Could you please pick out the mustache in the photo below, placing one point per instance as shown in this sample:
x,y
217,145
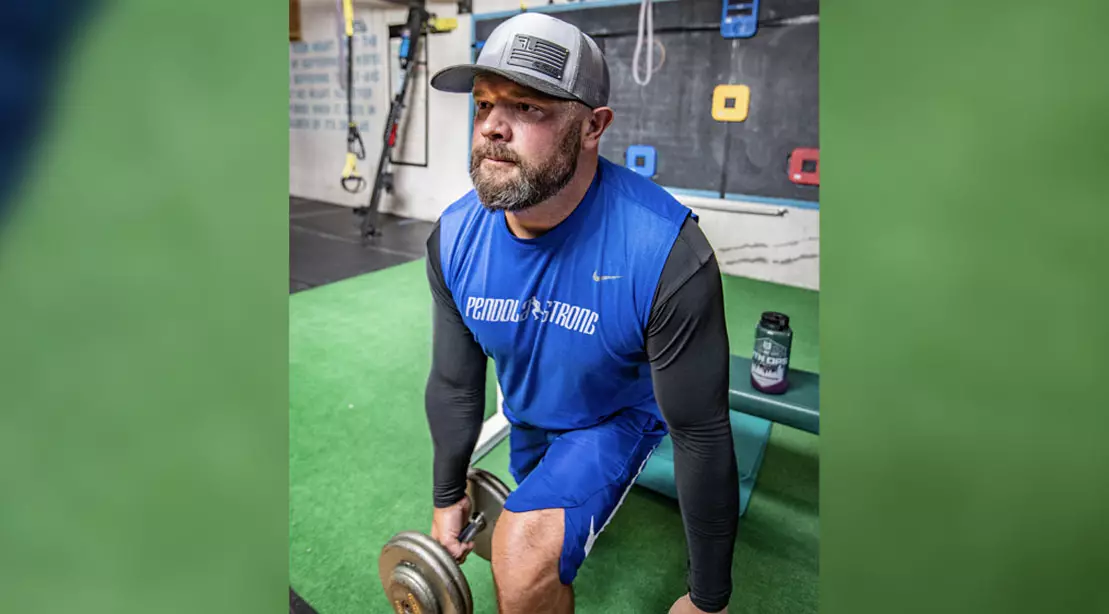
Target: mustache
x,y
497,152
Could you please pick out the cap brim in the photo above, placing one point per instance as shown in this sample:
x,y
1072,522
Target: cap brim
x,y
460,79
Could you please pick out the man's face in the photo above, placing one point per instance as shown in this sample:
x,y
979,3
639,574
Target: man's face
x,y
525,147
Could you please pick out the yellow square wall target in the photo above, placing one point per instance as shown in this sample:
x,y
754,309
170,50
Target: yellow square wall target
x,y
730,102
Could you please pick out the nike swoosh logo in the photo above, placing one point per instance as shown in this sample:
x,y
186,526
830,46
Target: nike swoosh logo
x,y
597,277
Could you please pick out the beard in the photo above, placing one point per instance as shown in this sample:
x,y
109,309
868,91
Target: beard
x,y
529,182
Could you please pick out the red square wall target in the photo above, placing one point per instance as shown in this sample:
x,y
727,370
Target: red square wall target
x,y
804,166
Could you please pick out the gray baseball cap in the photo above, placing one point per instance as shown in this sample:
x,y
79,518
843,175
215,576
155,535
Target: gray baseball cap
x,y
540,52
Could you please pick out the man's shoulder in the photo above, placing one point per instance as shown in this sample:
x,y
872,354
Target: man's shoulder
x,y
464,204
458,215
456,228
634,190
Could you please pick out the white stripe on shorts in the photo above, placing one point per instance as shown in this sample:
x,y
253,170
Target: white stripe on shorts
x,y
593,536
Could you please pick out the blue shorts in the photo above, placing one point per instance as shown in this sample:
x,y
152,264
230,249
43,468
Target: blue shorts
x,y
586,472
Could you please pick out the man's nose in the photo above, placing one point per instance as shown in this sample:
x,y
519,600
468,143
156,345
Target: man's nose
x,y
494,126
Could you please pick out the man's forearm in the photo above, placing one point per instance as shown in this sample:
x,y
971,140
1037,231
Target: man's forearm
x,y
454,416
454,401
708,492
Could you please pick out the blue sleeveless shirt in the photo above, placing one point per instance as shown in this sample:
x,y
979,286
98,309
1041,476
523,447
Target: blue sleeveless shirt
x,y
564,316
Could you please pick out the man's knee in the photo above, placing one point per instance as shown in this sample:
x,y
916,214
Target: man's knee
x,y
527,548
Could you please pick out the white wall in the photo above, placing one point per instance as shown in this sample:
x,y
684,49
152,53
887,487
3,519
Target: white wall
x,y
781,249
317,141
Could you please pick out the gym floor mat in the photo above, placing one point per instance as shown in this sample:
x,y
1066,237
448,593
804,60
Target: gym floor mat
x,y
325,245
360,463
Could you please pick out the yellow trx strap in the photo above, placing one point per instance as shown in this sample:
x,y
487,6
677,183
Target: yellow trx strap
x,y
348,16
352,181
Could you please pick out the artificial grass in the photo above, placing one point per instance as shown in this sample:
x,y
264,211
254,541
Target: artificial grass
x,y
360,462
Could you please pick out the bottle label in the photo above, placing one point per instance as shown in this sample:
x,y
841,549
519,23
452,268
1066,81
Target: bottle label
x,y
769,362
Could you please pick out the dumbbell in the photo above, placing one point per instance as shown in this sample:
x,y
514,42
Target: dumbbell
x,y
419,575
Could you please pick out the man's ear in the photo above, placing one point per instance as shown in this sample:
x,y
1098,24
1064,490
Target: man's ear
x,y
596,123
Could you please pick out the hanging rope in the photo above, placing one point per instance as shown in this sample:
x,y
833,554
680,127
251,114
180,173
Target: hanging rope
x,y
646,17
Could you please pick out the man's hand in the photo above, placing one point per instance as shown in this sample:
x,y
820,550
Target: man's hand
x,y
685,606
447,523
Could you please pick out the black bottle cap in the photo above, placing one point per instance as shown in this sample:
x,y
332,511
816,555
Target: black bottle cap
x,y
774,320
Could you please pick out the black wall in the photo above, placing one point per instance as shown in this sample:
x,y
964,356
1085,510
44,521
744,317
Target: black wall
x,y
673,112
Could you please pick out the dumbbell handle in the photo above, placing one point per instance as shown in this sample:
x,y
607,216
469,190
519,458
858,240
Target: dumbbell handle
x,y
477,523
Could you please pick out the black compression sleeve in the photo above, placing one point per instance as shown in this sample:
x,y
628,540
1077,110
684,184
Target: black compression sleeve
x,y
455,396
687,344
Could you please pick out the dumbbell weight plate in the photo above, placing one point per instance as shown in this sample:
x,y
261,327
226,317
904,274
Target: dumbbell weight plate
x,y
421,577
487,493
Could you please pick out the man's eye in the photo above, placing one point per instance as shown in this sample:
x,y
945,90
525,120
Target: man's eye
x,y
525,107
483,105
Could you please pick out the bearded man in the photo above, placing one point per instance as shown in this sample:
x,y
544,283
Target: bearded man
x,y
599,300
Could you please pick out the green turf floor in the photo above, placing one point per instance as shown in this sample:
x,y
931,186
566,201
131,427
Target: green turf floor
x,y
360,462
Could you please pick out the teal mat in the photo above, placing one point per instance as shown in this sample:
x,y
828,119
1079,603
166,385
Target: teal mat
x,y
750,436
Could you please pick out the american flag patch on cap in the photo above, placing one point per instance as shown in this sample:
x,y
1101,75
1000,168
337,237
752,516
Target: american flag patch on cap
x,y
539,55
